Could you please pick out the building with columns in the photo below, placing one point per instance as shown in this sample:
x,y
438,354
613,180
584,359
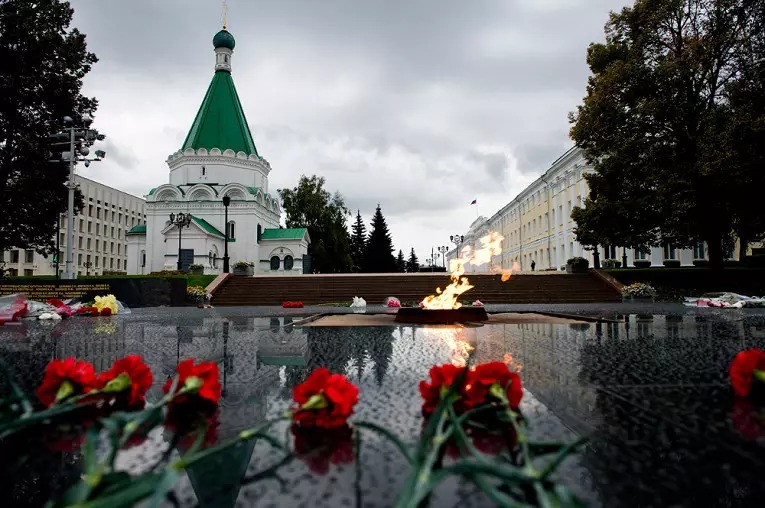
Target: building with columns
x,y
218,159
537,226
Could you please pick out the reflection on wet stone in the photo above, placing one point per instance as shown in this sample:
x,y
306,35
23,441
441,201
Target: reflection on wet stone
x,y
650,390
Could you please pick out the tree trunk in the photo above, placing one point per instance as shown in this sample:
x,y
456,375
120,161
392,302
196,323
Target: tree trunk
x,y
743,244
714,244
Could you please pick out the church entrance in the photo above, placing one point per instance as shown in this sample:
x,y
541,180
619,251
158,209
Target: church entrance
x,y
187,259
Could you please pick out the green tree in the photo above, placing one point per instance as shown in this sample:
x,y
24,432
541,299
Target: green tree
x,y
400,262
310,206
358,241
43,64
654,124
379,254
412,264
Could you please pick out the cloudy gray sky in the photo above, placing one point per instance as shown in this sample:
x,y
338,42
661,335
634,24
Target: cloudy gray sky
x,y
419,105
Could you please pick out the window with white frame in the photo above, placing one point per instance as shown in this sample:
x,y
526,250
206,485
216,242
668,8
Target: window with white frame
x,y
641,254
670,252
699,251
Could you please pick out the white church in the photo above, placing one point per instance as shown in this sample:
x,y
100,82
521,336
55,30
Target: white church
x,y
218,160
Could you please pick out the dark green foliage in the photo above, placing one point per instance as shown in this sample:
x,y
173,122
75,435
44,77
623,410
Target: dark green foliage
x,y
673,124
43,64
400,262
310,206
695,281
379,254
412,264
358,241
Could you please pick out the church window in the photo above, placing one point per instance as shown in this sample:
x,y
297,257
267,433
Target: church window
x,y
143,258
231,230
274,262
203,171
260,232
288,262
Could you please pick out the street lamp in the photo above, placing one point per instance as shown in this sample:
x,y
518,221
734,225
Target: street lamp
x,y
87,265
457,240
443,250
181,220
78,141
226,202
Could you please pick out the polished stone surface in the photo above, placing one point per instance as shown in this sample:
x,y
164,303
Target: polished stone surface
x,y
649,386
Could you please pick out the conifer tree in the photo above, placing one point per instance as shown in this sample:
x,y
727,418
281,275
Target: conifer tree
x,y
379,253
413,264
358,242
400,262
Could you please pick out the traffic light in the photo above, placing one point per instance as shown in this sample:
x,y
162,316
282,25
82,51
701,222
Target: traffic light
x,y
55,258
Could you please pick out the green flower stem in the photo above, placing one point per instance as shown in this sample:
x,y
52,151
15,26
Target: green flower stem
x,y
17,392
759,375
561,456
393,438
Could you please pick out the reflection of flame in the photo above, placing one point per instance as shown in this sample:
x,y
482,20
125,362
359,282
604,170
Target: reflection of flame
x,y
508,360
453,338
491,245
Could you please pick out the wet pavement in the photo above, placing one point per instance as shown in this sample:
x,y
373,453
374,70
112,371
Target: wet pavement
x,y
648,384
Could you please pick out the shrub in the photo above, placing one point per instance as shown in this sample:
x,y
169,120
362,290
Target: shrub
x,y
639,290
577,265
642,263
243,264
196,267
700,262
611,263
672,263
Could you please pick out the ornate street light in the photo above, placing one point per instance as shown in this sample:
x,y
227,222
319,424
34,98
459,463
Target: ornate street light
x,y
181,220
443,250
226,202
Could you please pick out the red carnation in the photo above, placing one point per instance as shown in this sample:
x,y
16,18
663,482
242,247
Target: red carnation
x,y
206,372
87,311
324,400
66,378
483,378
56,303
139,376
319,448
749,422
106,311
441,378
747,366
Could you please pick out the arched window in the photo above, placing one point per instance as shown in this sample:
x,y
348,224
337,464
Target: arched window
x,y
288,262
231,230
274,262
260,232
143,258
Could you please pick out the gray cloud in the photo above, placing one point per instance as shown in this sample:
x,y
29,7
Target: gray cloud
x,y
420,106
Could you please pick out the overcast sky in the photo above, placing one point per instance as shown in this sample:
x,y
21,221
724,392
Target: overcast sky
x,y
419,105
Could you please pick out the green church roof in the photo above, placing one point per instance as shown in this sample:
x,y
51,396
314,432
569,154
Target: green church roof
x,y
140,229
224,39
283,234
208,227
220,121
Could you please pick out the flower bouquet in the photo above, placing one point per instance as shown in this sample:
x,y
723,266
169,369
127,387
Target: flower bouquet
x,y
292,305
639,291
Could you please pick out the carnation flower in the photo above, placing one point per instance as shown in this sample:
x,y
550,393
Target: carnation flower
x,y
66,378
324,400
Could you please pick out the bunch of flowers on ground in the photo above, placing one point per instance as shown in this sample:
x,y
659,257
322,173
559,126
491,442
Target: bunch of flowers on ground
x,y
197,294
292,305
639,290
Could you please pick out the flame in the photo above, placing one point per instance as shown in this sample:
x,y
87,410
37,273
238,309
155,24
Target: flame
x,y
491,245
507,273
508,360
453,338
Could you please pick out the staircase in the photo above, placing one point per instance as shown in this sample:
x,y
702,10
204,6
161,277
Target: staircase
x,y
374,288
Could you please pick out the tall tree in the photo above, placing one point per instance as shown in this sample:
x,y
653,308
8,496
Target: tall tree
x,y
43,64
412,264
358,241
654,124
310,206
379,254
400,262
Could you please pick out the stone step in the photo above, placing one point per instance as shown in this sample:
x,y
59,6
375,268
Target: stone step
x,y
313,289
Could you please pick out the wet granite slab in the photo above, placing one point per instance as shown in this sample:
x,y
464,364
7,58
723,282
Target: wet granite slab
x,y
649,387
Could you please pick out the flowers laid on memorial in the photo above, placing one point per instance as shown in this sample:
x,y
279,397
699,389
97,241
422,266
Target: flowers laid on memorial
x,y
202,379
472,423
639,290
130,378
324,400
292,305
66,378
747,368
106,305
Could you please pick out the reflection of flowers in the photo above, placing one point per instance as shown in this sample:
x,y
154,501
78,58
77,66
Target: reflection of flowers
x,y
191,417
750,423
66,378
324,400
319,448
138,374
292,305
746,367
105,328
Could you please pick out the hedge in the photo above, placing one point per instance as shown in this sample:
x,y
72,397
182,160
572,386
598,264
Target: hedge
x,y
696,281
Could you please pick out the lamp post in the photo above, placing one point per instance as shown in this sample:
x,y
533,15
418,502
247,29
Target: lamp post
x,y
181,220
87,265
226,202
443,249
624,257
78,141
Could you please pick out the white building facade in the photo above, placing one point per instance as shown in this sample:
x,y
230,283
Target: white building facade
x,y
100,239
537,226
218,159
